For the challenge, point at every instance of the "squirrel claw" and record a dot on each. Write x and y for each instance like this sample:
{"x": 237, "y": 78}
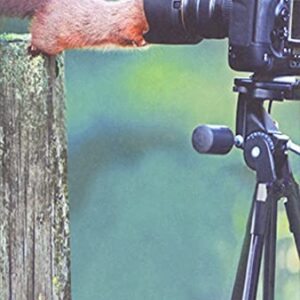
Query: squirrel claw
{"x": 33, "y": 51}
{"x": 136, "y": 43}
{"x": 140, "y": 43}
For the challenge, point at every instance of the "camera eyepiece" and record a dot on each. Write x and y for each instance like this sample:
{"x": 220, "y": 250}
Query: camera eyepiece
{"x": 186, "y": 21}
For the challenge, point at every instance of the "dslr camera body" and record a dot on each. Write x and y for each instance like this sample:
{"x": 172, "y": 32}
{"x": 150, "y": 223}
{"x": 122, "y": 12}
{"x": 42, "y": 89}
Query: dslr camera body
{"x": 264, "y": 35}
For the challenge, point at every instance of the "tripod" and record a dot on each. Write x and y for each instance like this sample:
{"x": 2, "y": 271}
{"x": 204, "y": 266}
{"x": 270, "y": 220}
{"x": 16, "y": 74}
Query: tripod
{"x": 265, "y": 151}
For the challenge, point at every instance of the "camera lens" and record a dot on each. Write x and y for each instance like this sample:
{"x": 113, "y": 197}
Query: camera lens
{"x": 207, "y": 18}
{"x": 186, "y": 21}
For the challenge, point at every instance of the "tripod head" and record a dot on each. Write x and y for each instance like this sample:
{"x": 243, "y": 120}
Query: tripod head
{"x": 251, "y": 117}
{"x": 265, "y": 151}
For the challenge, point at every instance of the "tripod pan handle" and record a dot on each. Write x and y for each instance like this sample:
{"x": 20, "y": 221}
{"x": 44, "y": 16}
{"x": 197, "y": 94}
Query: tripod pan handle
{"x": 212, "y": 139}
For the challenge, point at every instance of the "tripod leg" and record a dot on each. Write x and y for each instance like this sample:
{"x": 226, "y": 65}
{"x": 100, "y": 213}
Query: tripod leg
{"x": 245, "y": 287}
{"x": 270, "y": 252}
{"x": 239, "y": 283}
{"x": 293, "y": 211}
{"x": 253, "y": 267}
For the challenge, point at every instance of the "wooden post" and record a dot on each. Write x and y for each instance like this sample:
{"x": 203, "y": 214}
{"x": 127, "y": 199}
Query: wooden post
{"x": 34, "y": 211}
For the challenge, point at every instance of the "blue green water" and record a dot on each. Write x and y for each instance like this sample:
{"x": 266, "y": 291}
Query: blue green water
{"x": 152, "y": 219}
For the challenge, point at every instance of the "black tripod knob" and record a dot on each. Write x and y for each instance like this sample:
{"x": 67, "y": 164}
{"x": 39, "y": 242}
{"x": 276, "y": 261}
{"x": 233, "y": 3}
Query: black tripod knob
{"x": 212, "y": 139}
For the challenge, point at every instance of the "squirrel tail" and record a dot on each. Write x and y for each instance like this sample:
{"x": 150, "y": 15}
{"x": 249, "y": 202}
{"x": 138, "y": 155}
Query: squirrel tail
{"x": 20, "y": 9}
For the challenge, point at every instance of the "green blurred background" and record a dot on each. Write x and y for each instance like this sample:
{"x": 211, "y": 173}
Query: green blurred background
{"x": 150, "y": 218}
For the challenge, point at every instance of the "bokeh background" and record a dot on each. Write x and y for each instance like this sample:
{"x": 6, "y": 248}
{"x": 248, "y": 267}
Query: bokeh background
{"x": 151, "y": 219}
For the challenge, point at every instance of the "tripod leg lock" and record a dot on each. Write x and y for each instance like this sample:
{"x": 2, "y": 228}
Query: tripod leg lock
{"x": 260, "y": 212}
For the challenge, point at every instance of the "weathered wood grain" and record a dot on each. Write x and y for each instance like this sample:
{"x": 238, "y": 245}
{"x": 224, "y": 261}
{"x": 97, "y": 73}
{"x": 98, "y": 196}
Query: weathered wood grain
{"x": 34, "y": 211}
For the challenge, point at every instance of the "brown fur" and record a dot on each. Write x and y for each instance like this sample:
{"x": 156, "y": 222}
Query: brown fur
{"x": 65, "y": 24}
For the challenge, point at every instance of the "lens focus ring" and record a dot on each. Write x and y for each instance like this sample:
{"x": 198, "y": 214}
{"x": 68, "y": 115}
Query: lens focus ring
{"x": 206, "y": 18}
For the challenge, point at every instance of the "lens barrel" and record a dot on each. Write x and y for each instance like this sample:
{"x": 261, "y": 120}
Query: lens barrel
{"x": 186, "y": 21}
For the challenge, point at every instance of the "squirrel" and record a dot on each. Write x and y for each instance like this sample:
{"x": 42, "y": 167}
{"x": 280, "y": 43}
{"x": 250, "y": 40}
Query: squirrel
{"x": 57, "y": 25}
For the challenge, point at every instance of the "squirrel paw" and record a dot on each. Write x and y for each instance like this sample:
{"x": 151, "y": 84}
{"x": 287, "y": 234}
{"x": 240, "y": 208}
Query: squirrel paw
{"x": 34, "y": 52}
{"x": 43, "y": 40}
{"x": 130, "y": 31}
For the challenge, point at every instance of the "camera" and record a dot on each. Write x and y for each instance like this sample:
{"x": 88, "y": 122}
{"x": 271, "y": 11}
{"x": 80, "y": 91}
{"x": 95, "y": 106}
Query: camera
{"x": 263, "y": 35}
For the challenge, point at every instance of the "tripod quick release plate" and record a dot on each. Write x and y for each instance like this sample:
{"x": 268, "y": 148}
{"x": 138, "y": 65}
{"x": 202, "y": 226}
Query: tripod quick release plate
{"x": 279, "y": 89}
